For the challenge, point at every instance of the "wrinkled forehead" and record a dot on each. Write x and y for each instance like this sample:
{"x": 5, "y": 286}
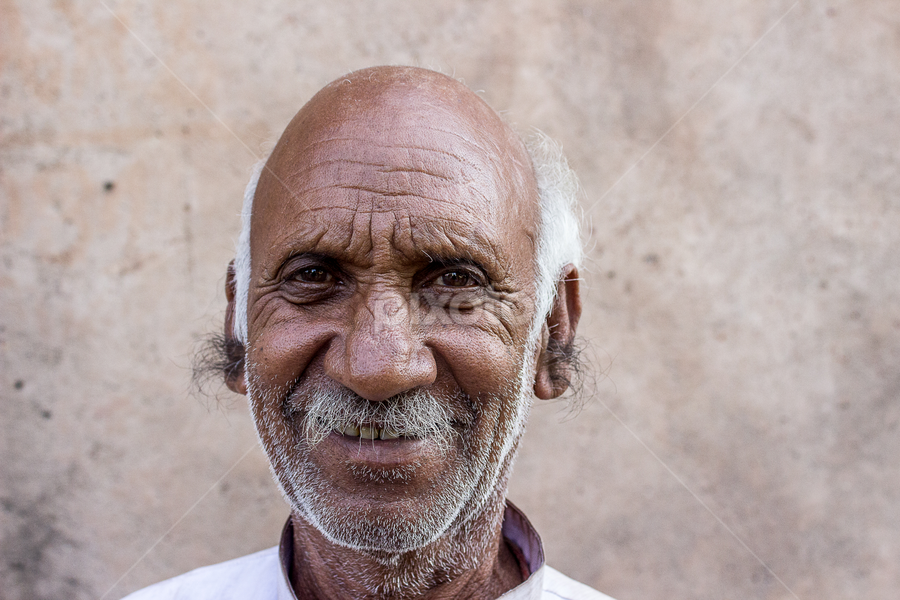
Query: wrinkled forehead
{"x": 405, "y": 159}
{"x": 437, "y": 151}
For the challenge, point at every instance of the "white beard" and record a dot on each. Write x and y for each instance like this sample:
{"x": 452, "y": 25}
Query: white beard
{"x": 471, "y": 490}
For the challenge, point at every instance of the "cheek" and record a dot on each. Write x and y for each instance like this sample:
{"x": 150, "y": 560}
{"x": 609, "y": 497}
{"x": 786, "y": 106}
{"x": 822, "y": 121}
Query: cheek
{"x": 482, "y": 352}
{"x": 280, "y": 354}
{"x": 480, "y": 364}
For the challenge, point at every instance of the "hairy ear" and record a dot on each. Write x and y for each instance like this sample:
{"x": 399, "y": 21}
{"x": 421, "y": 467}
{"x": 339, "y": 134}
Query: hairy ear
{"x": 234, "y": 376}
{"x": 554, "y": 367}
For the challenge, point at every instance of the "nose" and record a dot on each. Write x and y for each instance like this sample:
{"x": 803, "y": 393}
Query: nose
{"x": 379, "y": 354}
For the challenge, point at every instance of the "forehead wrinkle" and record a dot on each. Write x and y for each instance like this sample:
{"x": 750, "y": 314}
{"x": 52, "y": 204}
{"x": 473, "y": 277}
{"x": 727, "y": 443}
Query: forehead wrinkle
{"x": 385, "y": 238}
{"x": 412, "y": 239}
{"x": 308, "y": 194}
{"x": 449, "y": 167}
{"x": 371, "y": 140}
{"x": 391, "y": 179}
{"x": 403, "y": 194}
{"x": 303, "y": 168}
{"x": 357, "y": 243}
{"x": 379, "y": 167}
{"x": 380, "y": 144}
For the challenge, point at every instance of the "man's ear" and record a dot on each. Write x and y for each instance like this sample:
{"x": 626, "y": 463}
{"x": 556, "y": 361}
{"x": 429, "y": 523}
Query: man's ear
{"x": 234, "y": 374}
{"x": 554, "y": 367}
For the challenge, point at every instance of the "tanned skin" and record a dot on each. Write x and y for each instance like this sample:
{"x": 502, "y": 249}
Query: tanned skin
{"x": 392, "y": 190}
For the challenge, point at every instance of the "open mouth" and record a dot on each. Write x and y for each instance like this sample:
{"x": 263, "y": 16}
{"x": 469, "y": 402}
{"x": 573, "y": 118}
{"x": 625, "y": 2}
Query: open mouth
{"x": 369, "y": 432}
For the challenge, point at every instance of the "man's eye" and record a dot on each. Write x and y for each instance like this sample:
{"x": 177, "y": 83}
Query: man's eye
{"x": 313, "y": 275}
{"x": 456, "y": 279}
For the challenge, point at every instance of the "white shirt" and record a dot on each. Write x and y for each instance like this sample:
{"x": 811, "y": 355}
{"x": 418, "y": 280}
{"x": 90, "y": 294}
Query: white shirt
{"x": 263, "y": 575}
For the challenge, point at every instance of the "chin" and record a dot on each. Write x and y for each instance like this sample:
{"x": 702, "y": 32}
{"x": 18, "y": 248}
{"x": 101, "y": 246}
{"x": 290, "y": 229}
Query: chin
{"x": 395, "y": 523}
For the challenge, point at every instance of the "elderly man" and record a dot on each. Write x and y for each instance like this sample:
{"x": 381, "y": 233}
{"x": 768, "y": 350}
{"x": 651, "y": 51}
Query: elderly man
{"x": 405, "y": 283}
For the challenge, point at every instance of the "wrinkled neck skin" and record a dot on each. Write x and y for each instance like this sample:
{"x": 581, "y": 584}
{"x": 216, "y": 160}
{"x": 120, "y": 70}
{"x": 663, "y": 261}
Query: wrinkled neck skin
{"x": 470, "y": 560}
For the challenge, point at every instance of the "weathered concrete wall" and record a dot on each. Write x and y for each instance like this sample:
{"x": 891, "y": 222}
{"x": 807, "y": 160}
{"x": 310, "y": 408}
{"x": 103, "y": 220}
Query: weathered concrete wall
{"x": 743, "y": 292}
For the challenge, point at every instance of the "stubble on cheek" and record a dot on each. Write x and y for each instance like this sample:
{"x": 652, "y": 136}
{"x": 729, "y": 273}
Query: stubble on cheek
{"x": 274, "y": 431}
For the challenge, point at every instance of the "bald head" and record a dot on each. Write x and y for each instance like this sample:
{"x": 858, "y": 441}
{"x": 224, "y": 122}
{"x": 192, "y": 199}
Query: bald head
{"x": 393, "y": 131}
{"x": 405, "y": 105}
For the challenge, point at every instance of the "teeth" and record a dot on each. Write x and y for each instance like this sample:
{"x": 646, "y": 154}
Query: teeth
{"x": 368, "y": 433}
{"x": 389, "y": 434}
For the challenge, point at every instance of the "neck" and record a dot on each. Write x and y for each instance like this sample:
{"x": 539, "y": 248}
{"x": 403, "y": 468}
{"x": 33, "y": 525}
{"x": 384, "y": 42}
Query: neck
{"x": 470, "y": 561}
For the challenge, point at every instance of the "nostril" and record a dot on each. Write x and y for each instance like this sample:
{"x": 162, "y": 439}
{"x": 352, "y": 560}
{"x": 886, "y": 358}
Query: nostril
{"x": 379, "y": 371}
{"x": 378, "y": 354}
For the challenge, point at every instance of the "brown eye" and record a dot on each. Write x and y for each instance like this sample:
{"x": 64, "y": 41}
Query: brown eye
{"x": 314, "y": 275}
{"x": 456, "y": 279}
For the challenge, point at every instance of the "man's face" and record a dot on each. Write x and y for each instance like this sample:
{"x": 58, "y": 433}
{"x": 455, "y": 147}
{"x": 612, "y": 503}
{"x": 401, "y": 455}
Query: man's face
{"x": 392, "y": 284}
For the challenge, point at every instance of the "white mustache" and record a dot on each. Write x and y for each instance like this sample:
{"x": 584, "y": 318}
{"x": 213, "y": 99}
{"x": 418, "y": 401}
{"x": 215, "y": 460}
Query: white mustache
{"x": 413, "y": 414}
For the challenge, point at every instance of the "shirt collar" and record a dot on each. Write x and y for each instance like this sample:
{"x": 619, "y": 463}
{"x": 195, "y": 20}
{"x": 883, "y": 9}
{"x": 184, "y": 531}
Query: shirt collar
{"x": 517, "y": 531}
